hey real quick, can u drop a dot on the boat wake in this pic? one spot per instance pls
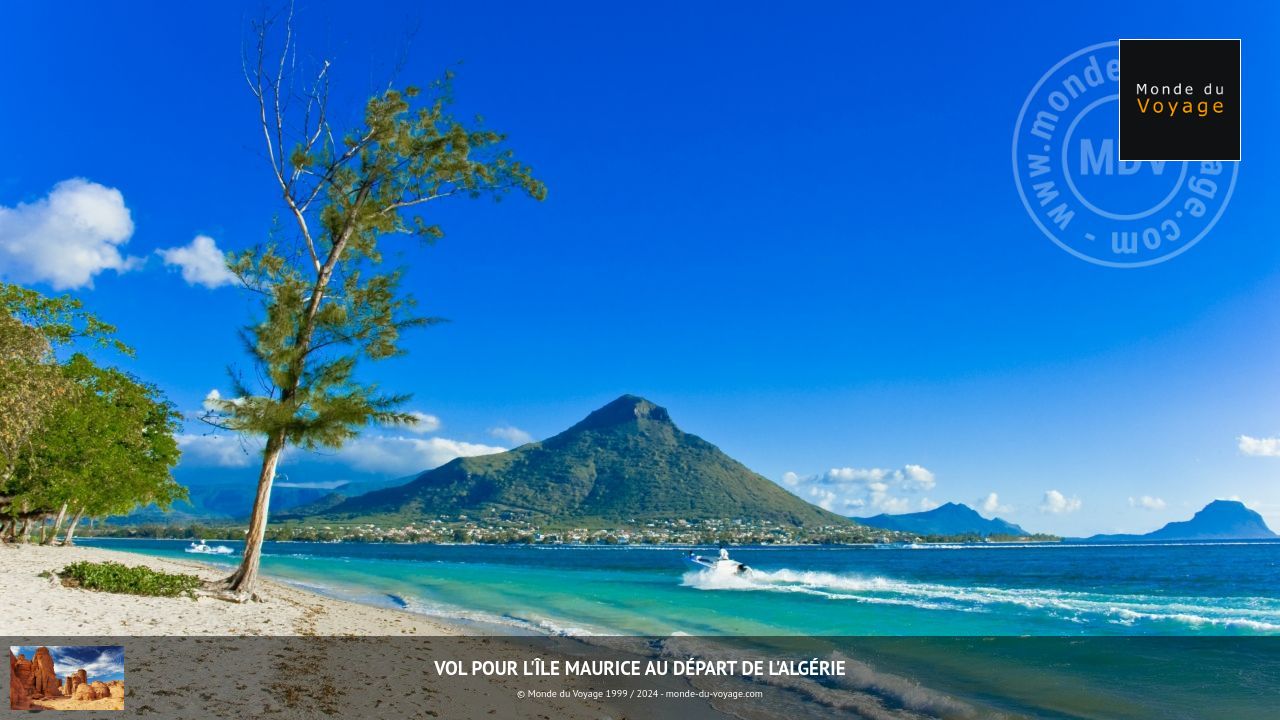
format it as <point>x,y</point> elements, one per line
<point>204,548</point>
<point>1136,613</point>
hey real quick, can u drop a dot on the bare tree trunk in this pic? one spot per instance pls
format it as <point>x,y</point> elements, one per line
<point>71,529</point>
<point>57,526</point>
<point>26,530</point>
<point>243,581</point>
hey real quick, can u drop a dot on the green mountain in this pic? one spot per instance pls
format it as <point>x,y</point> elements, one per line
<point>625,463</point>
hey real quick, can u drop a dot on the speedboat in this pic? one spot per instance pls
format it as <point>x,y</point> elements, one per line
<point>718,565</point>
<point>203,548</point>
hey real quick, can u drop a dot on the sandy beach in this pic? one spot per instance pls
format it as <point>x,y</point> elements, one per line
<point>34,605</point>
<point>297,654</point>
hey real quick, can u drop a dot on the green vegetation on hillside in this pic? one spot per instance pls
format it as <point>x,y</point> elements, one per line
<point>625,464</point>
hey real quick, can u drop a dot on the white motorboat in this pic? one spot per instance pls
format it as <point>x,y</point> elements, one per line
<point>204,548</point>
<point>718,565</point>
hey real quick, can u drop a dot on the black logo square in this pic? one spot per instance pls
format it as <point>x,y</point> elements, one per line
<point>1179,100</point>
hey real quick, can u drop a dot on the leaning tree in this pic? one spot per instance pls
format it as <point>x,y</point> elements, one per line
<point>328,298</point>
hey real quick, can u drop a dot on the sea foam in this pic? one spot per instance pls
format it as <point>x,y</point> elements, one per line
<point>1152,613</point>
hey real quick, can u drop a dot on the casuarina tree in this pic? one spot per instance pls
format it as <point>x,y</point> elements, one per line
<point>329,300</point>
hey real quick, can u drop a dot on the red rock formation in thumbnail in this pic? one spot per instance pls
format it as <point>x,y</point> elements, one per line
<point>33,685</point>
<point>18,697</point>
<point>73,681</point>
<point>44,681</point>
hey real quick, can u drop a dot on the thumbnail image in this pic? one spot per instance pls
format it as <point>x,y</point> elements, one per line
<point>66,677</point>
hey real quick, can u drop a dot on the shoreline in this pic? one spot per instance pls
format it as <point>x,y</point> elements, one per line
<point>659,546</point>
<point>1073,542</point>
<point>41,606</point>
<point>317,654</point>
<point>312,649</point>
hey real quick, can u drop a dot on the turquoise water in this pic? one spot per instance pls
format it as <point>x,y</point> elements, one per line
<point>1012,590</point>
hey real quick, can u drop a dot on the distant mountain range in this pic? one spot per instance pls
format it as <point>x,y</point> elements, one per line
<point>948,519</point>
<point>626,462</point>
<point>232,500</point>
<point>1219,520</point>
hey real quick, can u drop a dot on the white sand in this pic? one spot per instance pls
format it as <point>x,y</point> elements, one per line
<point>32,605</point>
<point>298,673</point>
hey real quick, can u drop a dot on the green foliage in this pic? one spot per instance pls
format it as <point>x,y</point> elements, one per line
<point>329,300</point>
<point>62,320</point>
<point>625,463</point>
<point>106,448</point>
<point>118,578</point>
<point>75,436</point>
<point>30,387</point>
<point>187,531</point>
<point>31,325</point>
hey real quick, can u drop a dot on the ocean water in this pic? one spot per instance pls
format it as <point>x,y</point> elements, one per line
<point>1225,588</point>
<point>1053,632</point>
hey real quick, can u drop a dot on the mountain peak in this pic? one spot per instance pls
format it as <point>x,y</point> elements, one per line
<point>625,409</point>
<point>948,519</point>
<point>624,463</point>
<point>957,510</point>
<point>1219,520</point>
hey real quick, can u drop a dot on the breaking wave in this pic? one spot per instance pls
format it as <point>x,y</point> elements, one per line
<point>1154,613</point>
<point>505,623</point>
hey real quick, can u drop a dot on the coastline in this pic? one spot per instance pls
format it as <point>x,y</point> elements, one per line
<point>312,651</point>
<point>40,606</point>
<point>313,654</point>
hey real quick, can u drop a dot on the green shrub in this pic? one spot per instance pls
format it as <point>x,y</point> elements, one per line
<point>117,578</point>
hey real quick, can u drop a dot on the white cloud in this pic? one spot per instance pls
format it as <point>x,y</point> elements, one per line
<point>511,434</point>
<point>426,423</point>
<point>221,450</point>
<point>66,238</point>
<point>214,402</point>
<point>106,663</point>
<point>320,485</point>
<point>865,491</point>
<point>991,505</point>
<point>396,455</point>
<point>1260,447</point>
<point>201,262</point>
<point>1147,502</point>
<point>919,478</point>
<point>1058,504</point>
<point>392,455</point>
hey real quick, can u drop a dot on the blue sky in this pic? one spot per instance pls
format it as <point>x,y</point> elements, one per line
<point>101,663</point>
<point>794,227</point>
